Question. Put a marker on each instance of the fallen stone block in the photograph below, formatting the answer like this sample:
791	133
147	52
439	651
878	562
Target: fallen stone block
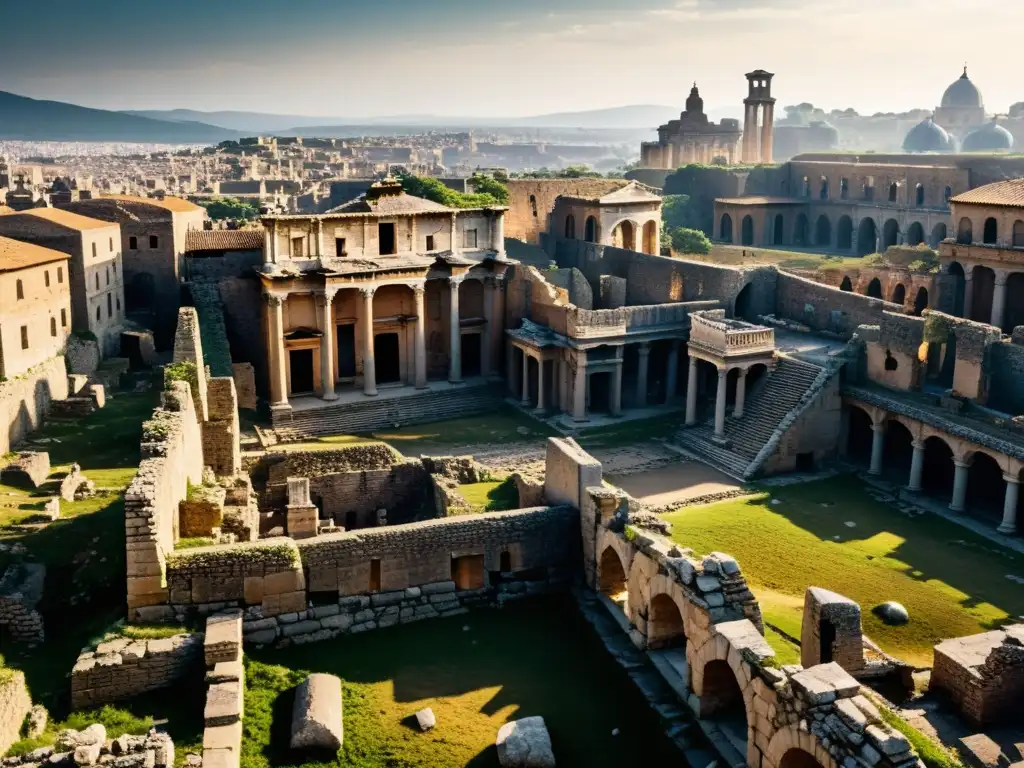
425	719
525	743
317	714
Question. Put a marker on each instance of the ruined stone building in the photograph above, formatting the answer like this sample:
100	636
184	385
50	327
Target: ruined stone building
628	218
153	241
693	139
95	270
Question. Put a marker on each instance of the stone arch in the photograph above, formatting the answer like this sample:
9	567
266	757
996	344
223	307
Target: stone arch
665	627
721	680
611	572
937	472
799	758
915	234
823	231
938	234
890	233
899	294
990	234
985	486
867	237
965	231
725	228
741	307
590	229
983	286
919	195
778	230
624	235
570	227
650	238
894	192
898	449
858	435
921	301
791	739
956	272
1014	311
874	289
844	233
801	231
846	285
747	231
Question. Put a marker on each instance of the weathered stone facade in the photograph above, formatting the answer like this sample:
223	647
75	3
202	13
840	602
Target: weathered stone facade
25	400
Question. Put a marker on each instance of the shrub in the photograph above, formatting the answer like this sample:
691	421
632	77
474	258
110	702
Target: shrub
690	241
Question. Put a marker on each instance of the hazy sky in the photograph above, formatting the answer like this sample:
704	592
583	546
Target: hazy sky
503	57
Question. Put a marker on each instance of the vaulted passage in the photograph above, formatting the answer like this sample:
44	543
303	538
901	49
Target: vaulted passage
798	758
937	477
867	237
611	576
859	437
844	234
985	488
664	624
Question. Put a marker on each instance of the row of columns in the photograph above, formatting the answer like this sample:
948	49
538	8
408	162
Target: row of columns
720	396
998	297
961	469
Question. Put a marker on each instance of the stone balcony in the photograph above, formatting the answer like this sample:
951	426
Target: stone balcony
601	323
713	332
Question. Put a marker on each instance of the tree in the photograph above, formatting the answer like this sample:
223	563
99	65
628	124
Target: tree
486	185
220	208
433	189
689	241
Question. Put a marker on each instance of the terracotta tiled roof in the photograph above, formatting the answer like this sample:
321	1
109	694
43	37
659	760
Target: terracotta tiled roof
66	219
762	200
392	205
224	240
15	255
1007	193
632	193
168	203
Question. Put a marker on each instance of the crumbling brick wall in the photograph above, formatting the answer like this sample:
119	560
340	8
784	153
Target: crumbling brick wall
25	400
823	308
221	432
14	706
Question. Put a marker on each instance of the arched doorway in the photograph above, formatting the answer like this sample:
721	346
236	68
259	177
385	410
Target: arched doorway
990	235
651	238
890	233
915	234
846	285
624	235
899	294
867	237
721	699
823	232
965	232
570	227
747	231
859	437
779	230
874	288
590	230
664	624
921	301
898	451
937	470
611	576
985	488
798	758
983	286
742	306
1014	312
957	285
844	233
938	235
801	231
725	228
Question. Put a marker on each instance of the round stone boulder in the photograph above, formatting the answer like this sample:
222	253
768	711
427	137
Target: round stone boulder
525	743
317	714
891	613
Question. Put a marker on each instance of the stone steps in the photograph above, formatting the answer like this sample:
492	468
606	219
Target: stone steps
374	414
765	409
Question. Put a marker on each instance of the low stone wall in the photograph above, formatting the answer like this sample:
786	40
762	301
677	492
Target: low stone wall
982	675
28	469
21	589
26	399
225	696
120	668
14	706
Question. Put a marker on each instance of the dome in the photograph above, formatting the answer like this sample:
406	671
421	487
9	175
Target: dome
926	136
963	94
989	138
694	104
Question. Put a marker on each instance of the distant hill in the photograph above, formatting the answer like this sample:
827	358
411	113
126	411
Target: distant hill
25	119
249	123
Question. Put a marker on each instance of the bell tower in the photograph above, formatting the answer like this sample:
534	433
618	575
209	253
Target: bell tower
759	97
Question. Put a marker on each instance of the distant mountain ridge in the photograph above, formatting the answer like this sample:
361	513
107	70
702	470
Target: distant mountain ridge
26	119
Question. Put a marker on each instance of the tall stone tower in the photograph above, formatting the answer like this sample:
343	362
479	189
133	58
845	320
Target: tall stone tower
759	96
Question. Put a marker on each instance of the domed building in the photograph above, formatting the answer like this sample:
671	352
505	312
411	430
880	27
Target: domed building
991	137
928	136
962	106
693	138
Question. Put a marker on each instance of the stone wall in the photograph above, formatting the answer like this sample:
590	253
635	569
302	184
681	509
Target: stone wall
188	347
823	308
122	667
221	432
25	400
1006	364
530	202
814	427
21	589
245	385
14	706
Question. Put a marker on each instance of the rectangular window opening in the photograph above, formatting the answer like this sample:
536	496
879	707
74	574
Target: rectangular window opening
468	572
386	239
430	242
154	241
339	246
469	238
375	575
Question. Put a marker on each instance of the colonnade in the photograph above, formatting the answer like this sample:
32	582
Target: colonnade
721	394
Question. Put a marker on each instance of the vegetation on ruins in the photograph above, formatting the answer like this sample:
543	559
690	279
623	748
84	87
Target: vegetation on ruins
834	535
569	172
491	495
186	371
933	755
489	191
221	208
689	241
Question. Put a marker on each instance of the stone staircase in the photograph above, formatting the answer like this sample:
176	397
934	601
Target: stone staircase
373	414
766	407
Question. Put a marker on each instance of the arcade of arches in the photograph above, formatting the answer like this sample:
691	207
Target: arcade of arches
994	296
970	477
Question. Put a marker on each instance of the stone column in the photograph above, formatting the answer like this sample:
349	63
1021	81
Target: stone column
1009	524
486	336
278	376
419	292
541	405
369	363
672	374
766	133
510	371
916	466
524	396
998	301
877	445
455	245
615	394
327	344
319	238
268	247
720	402
959	501
455	337
968	293
750	134
691	393
579	395
741	393
498	232
644	354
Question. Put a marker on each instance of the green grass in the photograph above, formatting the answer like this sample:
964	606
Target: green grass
637	430
196	541
933	755
537	657
491	496
952	581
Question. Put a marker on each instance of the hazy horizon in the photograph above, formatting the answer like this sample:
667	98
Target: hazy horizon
462	58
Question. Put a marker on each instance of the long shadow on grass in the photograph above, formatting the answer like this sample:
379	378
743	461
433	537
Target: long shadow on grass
932	548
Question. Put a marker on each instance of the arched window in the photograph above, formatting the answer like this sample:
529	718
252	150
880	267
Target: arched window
868	191
823	232
919	194
964	232
533	204
1018	234
53	326
844	188
947	194
747	231
19	288
807	187
590	230
824	188
894	190
899	294
570	227
991	234
725	228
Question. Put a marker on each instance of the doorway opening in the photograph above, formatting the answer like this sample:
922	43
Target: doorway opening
347	351
301	364
386	356
386	239
471	365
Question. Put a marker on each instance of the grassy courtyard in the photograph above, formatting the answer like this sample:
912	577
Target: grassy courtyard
476	672
832	534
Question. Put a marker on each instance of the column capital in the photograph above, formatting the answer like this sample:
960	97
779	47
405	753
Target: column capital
367	291
723	372
1011	479
454	281
917	445
326	295
961	463
645	348
418	288
878	427
274	300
